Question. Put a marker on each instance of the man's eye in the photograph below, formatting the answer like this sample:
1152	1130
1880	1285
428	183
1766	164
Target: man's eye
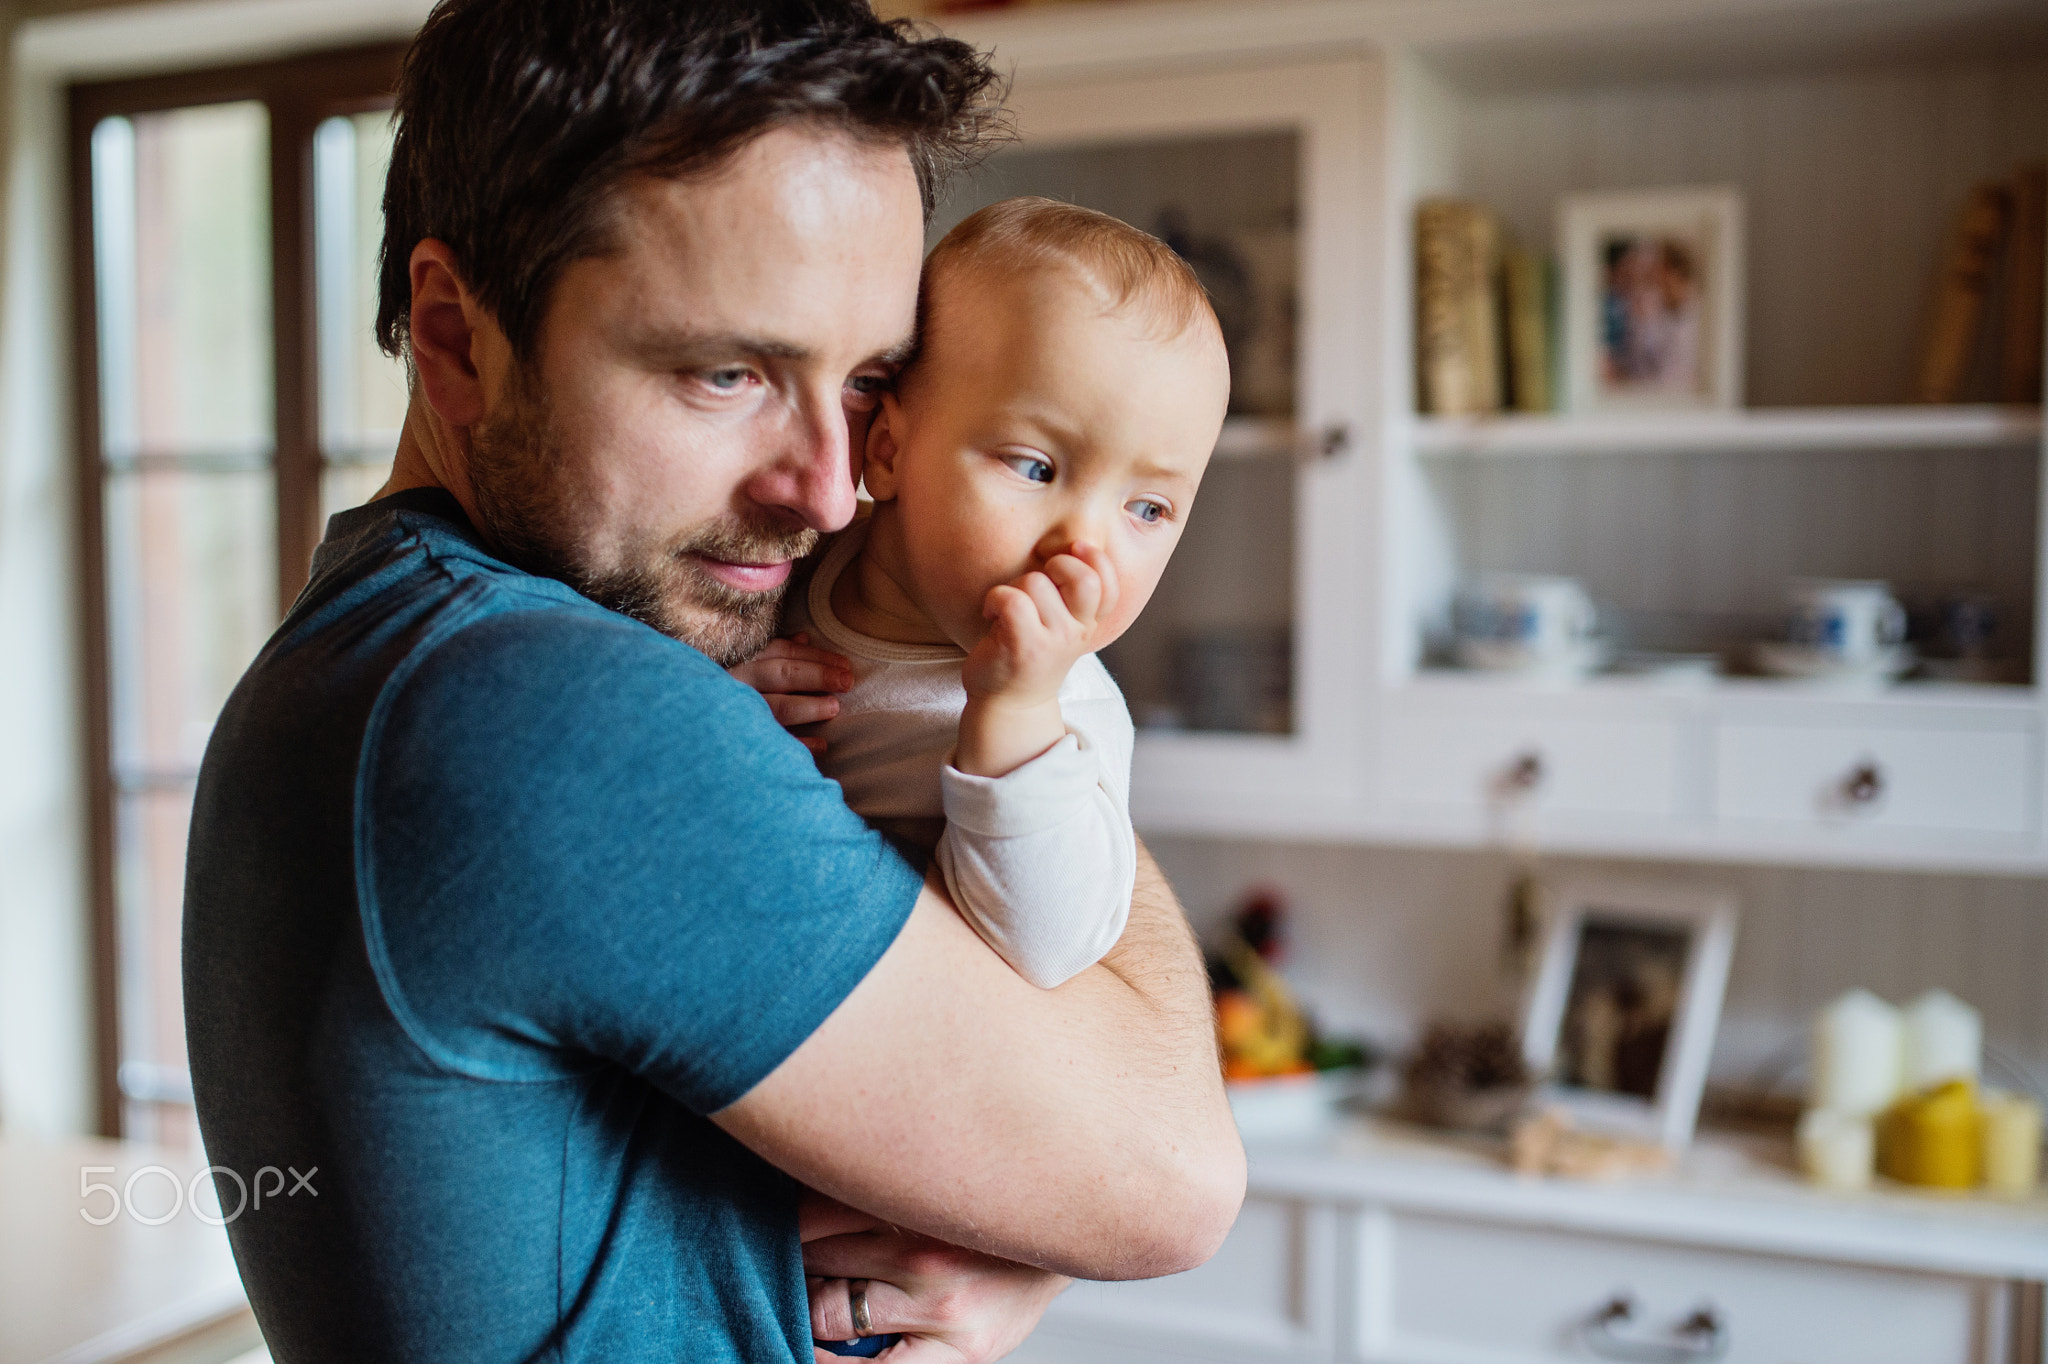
1031	467
730	379
863	391
1145	509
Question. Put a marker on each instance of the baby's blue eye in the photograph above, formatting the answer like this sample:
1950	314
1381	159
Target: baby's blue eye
1147	510
1031	467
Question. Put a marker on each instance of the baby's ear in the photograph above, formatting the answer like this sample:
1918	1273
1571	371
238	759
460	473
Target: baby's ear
878	463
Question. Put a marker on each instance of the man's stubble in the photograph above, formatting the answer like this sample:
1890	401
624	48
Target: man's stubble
529	514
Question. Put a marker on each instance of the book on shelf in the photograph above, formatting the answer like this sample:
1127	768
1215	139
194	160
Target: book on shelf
1962	284
1991	271
1457	319
1528	290
2026	281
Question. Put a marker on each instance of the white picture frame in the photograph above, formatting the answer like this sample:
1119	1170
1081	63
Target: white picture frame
1607	939
1653	299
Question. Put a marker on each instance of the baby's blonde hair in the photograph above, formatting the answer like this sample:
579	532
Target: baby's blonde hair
1128	267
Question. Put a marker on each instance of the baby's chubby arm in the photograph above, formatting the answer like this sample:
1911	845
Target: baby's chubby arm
798	680
1040	626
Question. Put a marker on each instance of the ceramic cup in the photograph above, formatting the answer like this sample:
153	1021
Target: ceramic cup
1540	617
1846	620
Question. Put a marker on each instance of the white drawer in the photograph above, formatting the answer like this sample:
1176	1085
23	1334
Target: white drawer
1958	780
1467	1291
1458	759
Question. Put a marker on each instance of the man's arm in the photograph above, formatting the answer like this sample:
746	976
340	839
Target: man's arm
1083	1130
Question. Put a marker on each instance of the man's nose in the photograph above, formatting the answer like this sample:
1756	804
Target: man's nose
811	474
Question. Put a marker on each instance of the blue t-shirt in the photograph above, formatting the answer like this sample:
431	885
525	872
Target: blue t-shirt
492	895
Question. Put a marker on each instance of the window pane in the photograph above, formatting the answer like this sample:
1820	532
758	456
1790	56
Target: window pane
181	238
181	226
362	390
150	886
191	596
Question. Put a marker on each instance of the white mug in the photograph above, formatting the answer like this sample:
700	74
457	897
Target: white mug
1542	618
1845	619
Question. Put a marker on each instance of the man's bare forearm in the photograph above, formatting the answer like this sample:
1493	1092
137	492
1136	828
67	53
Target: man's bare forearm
1160	963
1083	1129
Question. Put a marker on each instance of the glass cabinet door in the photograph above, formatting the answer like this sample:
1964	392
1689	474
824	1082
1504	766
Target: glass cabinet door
1214	653
1235	671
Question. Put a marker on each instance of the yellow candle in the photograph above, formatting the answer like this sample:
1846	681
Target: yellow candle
2012	1143
1934	1138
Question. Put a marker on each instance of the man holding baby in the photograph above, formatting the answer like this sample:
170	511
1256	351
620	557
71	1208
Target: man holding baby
519	918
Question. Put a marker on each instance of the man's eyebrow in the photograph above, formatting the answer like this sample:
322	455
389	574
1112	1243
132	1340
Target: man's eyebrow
898	355
679	348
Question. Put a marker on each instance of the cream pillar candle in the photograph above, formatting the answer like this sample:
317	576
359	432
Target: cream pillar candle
1944	1040
2012	1143
1855	1055
1837	1150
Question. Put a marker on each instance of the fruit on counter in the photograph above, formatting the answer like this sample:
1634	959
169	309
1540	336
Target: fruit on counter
1261	1028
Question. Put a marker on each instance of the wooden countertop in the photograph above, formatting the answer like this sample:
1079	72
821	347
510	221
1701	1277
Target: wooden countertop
75	1293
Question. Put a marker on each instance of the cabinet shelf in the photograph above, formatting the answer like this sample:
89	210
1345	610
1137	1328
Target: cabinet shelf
1759	429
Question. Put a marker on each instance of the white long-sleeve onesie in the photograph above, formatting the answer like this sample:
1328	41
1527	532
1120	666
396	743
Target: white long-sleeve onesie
1041	860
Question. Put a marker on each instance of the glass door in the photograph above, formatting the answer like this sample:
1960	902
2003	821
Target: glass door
1243	674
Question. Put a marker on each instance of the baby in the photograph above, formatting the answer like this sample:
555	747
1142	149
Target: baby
1030	475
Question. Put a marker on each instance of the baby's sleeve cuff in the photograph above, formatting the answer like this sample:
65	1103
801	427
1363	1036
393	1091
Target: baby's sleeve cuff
1043	793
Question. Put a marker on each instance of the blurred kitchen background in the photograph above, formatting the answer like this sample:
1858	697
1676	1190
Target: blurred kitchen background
1629	520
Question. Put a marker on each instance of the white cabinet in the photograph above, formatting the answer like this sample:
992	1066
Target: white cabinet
1269	1294
1242	670
1465	1290
1383	1247
1339	119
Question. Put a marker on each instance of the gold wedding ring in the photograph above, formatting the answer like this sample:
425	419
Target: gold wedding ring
857	1298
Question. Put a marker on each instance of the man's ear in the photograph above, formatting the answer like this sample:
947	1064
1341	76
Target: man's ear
447	325
878	466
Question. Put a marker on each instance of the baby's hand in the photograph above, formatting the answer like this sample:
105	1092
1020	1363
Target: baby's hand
1041	624
798	681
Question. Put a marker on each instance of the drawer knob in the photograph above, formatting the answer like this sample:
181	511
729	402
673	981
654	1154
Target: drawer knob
1701	1337
1864	786
1523	774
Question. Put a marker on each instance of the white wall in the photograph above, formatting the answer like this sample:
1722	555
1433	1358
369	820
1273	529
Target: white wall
1387	938
45	942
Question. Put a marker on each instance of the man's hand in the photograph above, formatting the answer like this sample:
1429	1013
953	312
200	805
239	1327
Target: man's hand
799	682
1040	625
952	1306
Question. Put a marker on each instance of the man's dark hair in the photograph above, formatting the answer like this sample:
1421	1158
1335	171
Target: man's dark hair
518	118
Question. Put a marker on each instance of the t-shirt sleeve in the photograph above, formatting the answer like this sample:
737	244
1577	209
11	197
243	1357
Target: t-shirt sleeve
1042	860
578	841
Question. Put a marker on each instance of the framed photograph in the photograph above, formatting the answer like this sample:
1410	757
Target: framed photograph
1622	1014
1652	299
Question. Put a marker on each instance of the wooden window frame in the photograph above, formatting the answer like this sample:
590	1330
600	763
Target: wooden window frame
300	92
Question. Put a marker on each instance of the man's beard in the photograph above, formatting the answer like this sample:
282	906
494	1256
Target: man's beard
528	515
